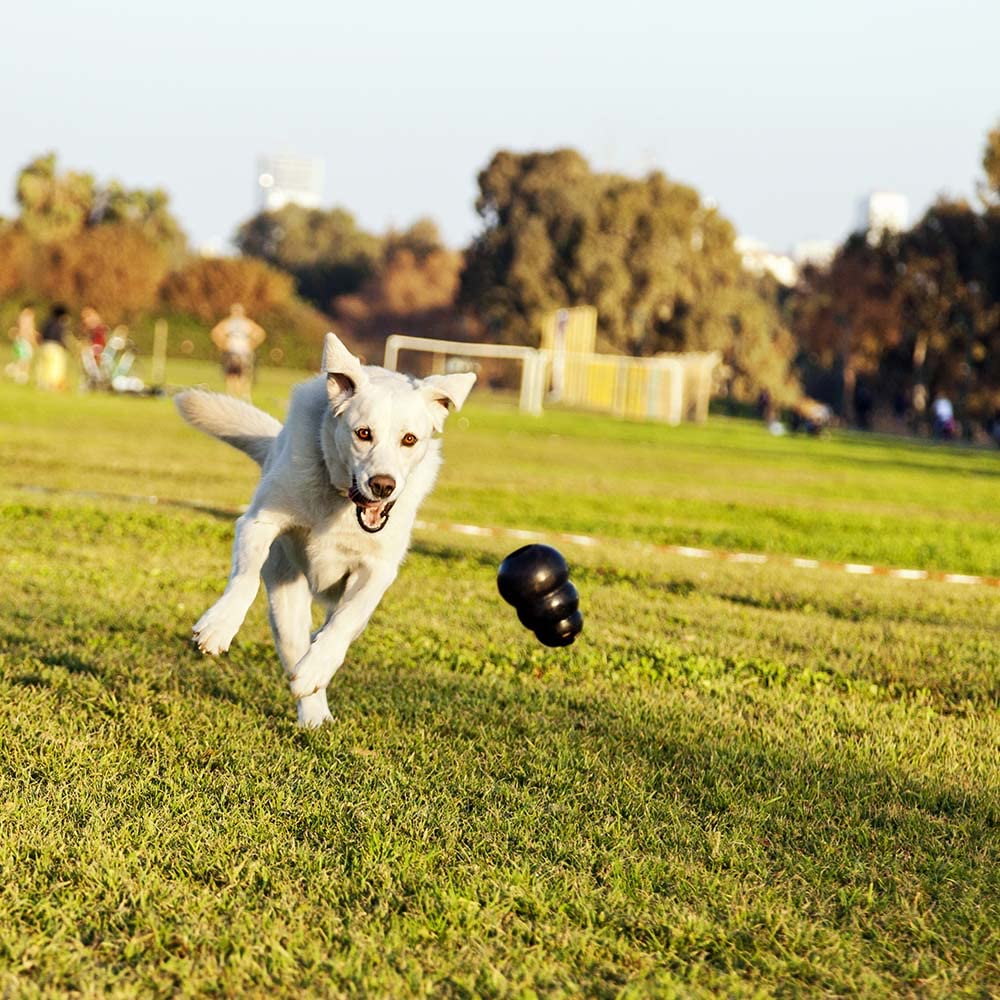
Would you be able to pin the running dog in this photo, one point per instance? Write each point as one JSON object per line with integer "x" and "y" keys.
{"x": 331, "y": 518}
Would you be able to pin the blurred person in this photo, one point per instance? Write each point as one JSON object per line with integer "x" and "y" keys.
{"x": 238, "y": 337}
{"x": 95, "y": 330}
{"x": 25, "y": 336}
{"x": 765, "y": 406}
{"x": 943, "y": 414}
{"x": 50, "y": 372}
{"x": 864, "y": 403}
{"x": 811, "y": 416}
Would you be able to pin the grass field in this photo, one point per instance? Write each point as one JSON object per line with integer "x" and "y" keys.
{"x": 742, "y": 780}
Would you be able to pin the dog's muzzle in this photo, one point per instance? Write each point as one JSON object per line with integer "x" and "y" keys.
{"x": 372, "y": 515}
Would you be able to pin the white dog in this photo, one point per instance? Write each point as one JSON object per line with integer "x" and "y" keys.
{"x": 332, "y": 515}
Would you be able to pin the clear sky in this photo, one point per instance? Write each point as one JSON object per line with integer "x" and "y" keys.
{"x": 785, "y": 112}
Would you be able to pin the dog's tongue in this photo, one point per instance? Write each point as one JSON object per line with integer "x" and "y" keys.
{"x": 372, "y": 514}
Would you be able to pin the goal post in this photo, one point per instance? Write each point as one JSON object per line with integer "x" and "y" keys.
{"x": 534, "y": 363}
{"x": 670, "y": 388}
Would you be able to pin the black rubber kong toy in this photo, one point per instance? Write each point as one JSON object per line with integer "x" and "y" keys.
{"x": 535, "y": 580}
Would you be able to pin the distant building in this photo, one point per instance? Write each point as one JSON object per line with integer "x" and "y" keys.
{"x": 883, "y": 212}
{"x": 289, "y": 180}
{"x": 815, "y": 253}
{"x": 759, "y": 260}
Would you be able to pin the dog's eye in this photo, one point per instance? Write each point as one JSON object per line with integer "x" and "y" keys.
{"x": 409, "y": 440}
{"x": 364, "y": 433}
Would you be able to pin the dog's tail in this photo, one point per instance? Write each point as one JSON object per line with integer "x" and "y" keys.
{"x": 237, "y": 423}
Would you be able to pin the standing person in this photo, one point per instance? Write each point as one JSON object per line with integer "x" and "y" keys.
{"x": 25, "y": 337}
{"x": 50, "y": 372}
{"x": 864, "y": 403}
{"x": 944, "y": 417}
{"x": 237, "y": 337}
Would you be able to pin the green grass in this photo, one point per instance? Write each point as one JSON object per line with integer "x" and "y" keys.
{"x": 741, "y": 780}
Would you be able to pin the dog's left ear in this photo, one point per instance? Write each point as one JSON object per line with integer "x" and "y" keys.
{"x": 345, "y": 374}
{"x": 443, "y": 391}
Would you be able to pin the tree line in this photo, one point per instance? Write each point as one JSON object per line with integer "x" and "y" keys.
{"x": 911, "y": 315}
{"x": 891, "y": 322}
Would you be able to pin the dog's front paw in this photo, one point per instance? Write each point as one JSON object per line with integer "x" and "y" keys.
{"x": 214, "y": 631}
{"x": 313, "y": 710}
{"x": 312, "y": 674}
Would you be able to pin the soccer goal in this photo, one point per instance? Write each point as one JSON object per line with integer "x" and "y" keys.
{"x": 670, "y": 388}
{"x": 533, "y": 362}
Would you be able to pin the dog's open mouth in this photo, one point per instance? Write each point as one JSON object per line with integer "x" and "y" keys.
{"x": 373, "y": 515}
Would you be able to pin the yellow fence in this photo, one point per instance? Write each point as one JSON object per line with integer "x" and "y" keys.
{"x": 669, "y": 387}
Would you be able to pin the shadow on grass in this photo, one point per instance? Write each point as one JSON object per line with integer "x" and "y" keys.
{"x": 571, "y": 782}
{"x": 71, "y": 663}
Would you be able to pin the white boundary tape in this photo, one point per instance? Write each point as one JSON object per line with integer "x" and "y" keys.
{"x": 752, "y": 558}
{"x": 477, "y": 531}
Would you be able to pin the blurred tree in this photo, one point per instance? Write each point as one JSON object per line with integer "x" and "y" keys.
{"x": 421, "y": 239}
{"x": 206, "y": 287}
{"x": 991, "y": 166}
{"x": 146, "y": 211}
{"x": 917, "y": 314}
{"x": 15, "y": 257}
{"x": 950, "y": 279}
{"x": 534, "y": 208}
{"x": 407, "y": 294}
{"x": 56, "y": 206}
{"x": 53, "y": 206}
{"x": 324, "y": 250}
{"x": 113, "y": 268}
{"x": 656, "y": 261}
{"x": 848, "y": 315}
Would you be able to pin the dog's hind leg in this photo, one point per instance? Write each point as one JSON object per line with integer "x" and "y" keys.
{"x": 289, "y": 610}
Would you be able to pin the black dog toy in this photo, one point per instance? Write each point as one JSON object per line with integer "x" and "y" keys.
{"x": 535, "y": 580}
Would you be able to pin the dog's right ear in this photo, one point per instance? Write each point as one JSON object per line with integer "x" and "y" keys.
{"x": 345, "y": 374}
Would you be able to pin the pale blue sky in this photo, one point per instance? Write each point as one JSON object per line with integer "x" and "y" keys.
{"x": 785, "y": 112}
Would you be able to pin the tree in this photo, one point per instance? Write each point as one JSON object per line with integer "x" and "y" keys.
{"x": 326, "y": 251}
{"x": 15, "y": 258}
{"x": 656, "y": 261}
{"x": 148, "y": 212}
{"x": 421, "y": 239}
{"x": 113, "y": 268}
{"x": 991, "y": 165}
{"x": 58, "y": 206}
{"x": 53, "y": 207}
{"x": 848, "y": 315}
{"x": 918, "y": 314}
{"x": 950, "y": 276}
{"x": 206, "y": 287}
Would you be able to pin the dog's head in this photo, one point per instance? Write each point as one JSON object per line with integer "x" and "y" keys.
{"x": 384, "y": 426}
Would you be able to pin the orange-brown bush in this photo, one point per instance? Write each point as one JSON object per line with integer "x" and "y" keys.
{"x": 15, "y": 254}
{"x": 408, "y": 284}
{"x": 409, "y": 294}
{"x": 207, "y": 287}
{"x": 112, "y": 268}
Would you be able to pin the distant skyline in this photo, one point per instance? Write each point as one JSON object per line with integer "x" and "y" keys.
{"x": 786, "y": 114}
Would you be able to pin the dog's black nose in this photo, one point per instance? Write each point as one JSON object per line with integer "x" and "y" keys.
{"x": 381, "y": 486}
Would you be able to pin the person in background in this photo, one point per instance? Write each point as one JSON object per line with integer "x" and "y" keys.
{"x": 944, "y": 417}
{"x": 25, "y": 336}
{"x": 765, "y": 406}
{"x": 864, "y": 403}
{"x": 50, "y": 372}
{"x": 95, "y": 330}
{"x": 238, "y": 337}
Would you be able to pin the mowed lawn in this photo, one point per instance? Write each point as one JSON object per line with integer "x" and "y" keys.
{"x": 742, "y": 780}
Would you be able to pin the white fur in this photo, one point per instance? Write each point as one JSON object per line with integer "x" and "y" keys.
{"x": 301, "y": 531}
